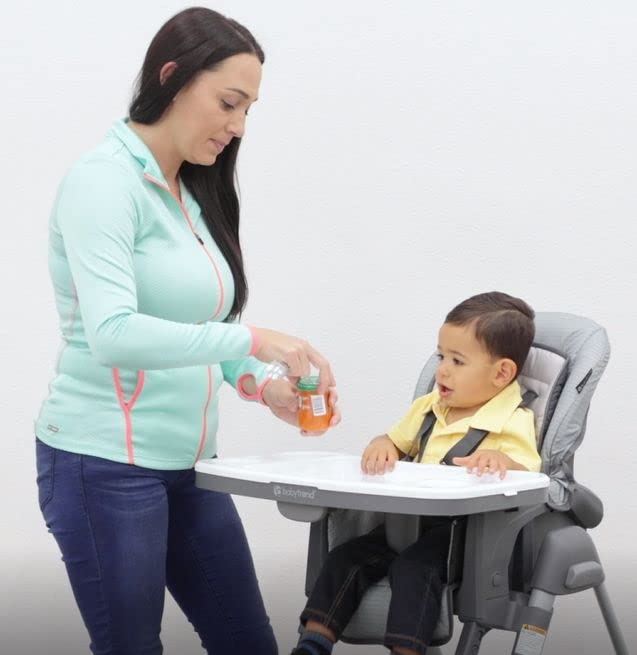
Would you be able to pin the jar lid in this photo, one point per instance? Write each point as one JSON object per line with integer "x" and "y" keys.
{"x": 308, "y": 383}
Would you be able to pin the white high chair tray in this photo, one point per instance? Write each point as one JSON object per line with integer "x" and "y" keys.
{"x": 330, "y": 479}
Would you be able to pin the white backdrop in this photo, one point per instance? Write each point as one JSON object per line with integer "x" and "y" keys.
{"x": 402, "y": 156}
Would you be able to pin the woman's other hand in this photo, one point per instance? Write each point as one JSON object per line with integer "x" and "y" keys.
{"x": 282, "y": 397}
{"x": 297, "y": 354}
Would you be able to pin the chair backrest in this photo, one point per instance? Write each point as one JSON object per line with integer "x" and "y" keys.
{"x": 564, "y": 366}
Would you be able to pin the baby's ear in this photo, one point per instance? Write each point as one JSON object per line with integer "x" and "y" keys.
{"x": 505, "y": 372}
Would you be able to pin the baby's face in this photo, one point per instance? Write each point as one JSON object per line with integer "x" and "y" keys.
{"x": 467, "y": 375}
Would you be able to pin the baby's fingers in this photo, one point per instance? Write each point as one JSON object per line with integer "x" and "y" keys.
{"x": 502, "y": 467}
{"x": 381, "y": 463}
{"x": 469, "y": 462}
{"x": 482, "y": 464}
{"x": 370, "y": 467}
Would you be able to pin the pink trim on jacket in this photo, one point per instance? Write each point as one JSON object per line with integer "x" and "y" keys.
{"x": 258, "y": 395}
{"x": 127, "y": 408}
{"x": 201, "y": 242}
{"x": 204, "y": 429}
{"x": 256, "y": 341}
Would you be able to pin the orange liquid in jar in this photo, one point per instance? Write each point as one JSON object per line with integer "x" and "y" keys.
{"x": 315, "y": 412}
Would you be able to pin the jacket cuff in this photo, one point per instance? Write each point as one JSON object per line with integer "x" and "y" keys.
{"x": 255, "y": 397}
{"x": 255, "y": 341}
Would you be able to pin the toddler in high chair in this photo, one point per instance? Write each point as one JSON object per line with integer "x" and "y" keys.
{"x": 482, "y": 346}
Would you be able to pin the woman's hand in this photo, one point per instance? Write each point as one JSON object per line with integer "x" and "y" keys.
{"x": 380, "y": 455}
{"x": 297, "y": 354}
{"x": 282, "y": 397}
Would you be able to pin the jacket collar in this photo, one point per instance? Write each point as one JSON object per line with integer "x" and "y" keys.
{"x": 139, "y": 150}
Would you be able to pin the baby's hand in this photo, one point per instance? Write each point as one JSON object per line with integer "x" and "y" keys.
{"x": 488, "y": 461}
{"x": 380, "y": 455}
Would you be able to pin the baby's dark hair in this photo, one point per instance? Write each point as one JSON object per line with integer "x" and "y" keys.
{"x": 502, "y": 324}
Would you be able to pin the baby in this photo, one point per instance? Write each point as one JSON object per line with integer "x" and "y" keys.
{"x": 482, "y": 346}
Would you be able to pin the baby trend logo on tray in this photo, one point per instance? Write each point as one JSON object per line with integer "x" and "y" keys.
{"x": 293, "y": 493}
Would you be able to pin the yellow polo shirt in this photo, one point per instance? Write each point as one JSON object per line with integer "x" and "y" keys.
{"x": 511, "y": 429}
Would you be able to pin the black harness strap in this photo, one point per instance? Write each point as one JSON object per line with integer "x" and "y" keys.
{"x": 469, "y": 443}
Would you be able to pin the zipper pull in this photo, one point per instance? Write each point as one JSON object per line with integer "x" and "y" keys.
{"x": 198, "y": 238}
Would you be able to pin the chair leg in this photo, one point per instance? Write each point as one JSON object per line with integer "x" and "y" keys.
{"x": 612, "y": 625}
{"x": 535, "y": 619}
{"x": 470, "y": 638}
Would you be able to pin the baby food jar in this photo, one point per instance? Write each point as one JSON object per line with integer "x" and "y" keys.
{"x": 315, "y": 412}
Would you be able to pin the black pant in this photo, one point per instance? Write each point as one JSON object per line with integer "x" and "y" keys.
{"x": 416, "y": 576}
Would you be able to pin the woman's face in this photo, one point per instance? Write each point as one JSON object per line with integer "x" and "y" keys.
{"x": 211, "y": 110}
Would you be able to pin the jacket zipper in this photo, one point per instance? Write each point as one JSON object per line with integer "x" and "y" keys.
{"x": 201, "y": 241}
{"x": 204, "y": 429}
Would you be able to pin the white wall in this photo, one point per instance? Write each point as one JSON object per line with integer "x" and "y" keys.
{"x": 409, "y": 154}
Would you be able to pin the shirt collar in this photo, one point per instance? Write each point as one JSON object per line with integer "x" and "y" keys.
{"x": 139, "y": 150}
{"x": 493, "y": 415}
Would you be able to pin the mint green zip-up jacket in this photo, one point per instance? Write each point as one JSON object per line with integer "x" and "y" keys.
{"x": 142, "y": 291}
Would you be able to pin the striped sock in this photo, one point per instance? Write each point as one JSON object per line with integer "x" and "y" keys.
{"x": 313, "y": 643}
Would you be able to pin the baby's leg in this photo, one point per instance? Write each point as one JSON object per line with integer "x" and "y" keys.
{"x": 315, "y": 626}
{"x": 416, "y": 577}
{"x": 348, "y": 572}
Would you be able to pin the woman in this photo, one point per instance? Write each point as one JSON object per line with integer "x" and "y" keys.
{"x": 149, "y": 282}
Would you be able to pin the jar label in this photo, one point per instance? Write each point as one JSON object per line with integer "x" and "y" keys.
{"x": 318, "y": 405}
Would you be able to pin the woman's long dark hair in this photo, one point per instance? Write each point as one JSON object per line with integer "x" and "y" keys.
{"x": 199, "y": 39}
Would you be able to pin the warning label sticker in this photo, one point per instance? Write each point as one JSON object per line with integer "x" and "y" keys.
{"x": 530, "y": 640}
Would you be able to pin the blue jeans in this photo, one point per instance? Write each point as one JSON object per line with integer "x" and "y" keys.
{"x": 126, "y": 533}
